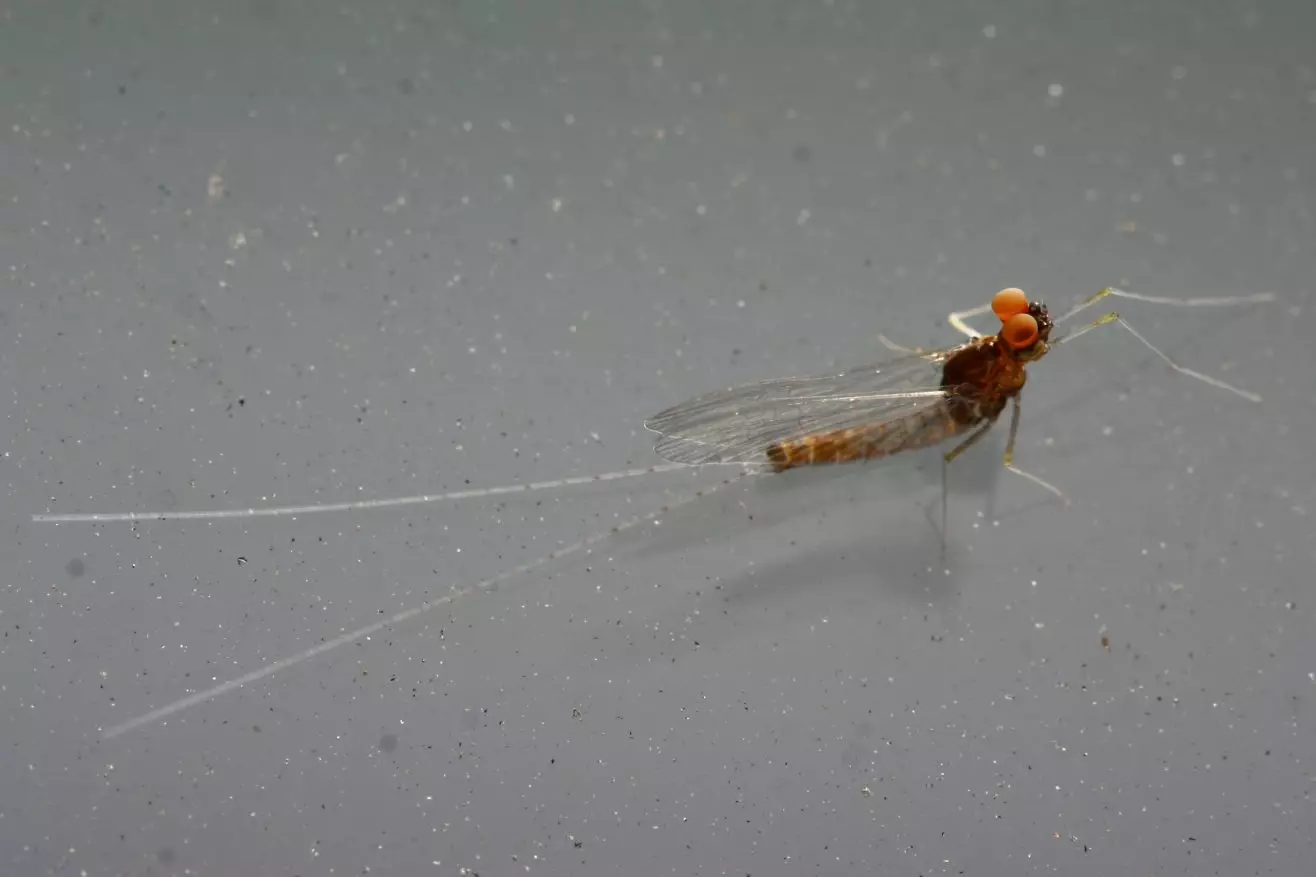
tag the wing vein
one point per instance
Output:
(738, 424)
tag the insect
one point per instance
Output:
(916, 399)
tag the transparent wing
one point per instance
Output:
(737, 425)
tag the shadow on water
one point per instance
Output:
(911, 568)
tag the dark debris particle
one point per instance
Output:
(75, 567)
(389, 742)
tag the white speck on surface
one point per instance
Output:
(657, 61)
(509, 181)
(989, 31)
(740, 303)
(569, 119)
(1039, 150)
(701, 209)
(803, 217)
(1177, 159)
(467, 126)
(1178, 72)
(1055, 89)
(557, 205)
(215, 187)
(1106, 430)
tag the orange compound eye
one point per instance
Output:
(1008, 302)
(1019, 332)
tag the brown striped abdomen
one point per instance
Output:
(921, 430)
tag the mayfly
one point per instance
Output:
(912, 400)
(917, 399)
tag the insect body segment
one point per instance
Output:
(923, 428)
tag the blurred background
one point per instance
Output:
(268, 253)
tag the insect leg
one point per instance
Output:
(956, 319)
(968, 442)
(1009, 455)
(1225, 301)
(1112, 318)
(899, 348)
(945, 466)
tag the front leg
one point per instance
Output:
(1009, 455)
